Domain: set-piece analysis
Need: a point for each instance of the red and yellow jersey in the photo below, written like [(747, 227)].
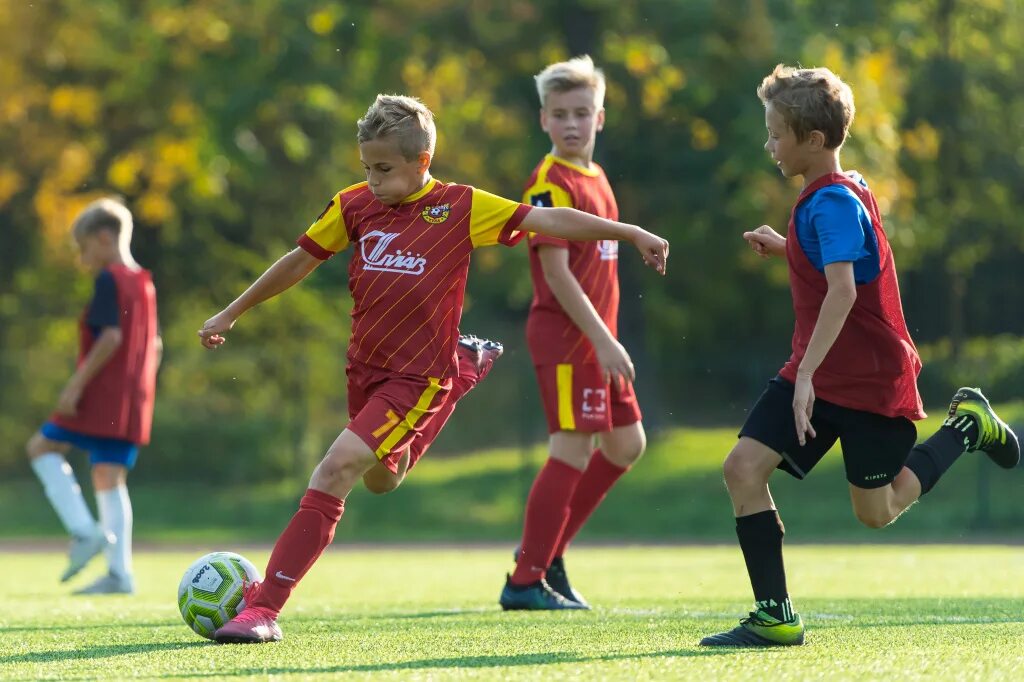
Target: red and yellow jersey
[(409, 265), (553, 338)]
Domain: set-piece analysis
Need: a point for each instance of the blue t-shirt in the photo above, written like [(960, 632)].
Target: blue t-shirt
[(833, 226), (103, 310)]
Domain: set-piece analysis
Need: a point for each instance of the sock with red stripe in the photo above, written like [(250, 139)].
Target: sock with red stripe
[(299, 546), (547, 511), (597, 480)]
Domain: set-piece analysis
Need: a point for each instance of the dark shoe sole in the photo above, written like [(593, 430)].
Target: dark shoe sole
[(745, 639)]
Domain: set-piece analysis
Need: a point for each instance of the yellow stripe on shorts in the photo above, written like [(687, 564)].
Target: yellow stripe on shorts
[(566, 416), (410, 419)]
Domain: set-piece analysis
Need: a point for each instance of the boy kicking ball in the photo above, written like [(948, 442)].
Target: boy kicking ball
[(412, 238)]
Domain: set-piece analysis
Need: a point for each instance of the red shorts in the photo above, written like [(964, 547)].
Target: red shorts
[(387, 410), (577, 398)]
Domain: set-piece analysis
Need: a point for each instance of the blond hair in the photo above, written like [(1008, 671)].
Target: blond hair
[(810, 99), (578, 72), (104, 214), (407, 118)]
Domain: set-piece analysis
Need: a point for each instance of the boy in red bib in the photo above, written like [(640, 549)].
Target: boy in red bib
[(852, 376), (106, 408), (412, 237)]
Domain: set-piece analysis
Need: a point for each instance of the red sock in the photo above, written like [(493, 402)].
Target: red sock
[(299, 546), (597, 480), (547, 510)]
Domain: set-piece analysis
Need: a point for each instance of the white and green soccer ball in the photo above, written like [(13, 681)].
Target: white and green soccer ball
[(212, 590)]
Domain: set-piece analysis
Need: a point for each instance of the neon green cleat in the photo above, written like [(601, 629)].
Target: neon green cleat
[(760, 629), (995, 438)]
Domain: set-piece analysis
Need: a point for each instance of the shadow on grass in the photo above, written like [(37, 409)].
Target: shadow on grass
[(485, 661), (76, 628), (441, 613), (103, 651)]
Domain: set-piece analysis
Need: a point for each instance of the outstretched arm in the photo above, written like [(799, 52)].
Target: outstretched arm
[(288, 271), (568, 223)]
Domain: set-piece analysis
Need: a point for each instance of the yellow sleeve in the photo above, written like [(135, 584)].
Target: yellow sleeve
[(328, 234), (547, 194), (493, 219)]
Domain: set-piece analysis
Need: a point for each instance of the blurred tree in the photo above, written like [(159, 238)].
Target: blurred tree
[(226, 126)]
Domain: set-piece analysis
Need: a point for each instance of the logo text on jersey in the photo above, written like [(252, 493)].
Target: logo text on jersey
[(436, 214), (609, 249), (374, 247)]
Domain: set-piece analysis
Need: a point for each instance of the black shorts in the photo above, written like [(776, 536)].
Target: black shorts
[(874, 446)]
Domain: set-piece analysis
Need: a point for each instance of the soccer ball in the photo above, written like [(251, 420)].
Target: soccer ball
[(212, 590)]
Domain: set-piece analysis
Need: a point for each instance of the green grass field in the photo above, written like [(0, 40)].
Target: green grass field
[(895, 612)]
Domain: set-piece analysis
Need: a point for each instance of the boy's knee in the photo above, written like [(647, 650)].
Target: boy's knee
[(344, 464), (737, 470), (572, 448), (108, 476), (37, 446), (627, 454), (873, 517), (381, 483)]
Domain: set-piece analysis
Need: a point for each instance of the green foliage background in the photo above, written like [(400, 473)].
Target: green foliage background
[(227, 125)]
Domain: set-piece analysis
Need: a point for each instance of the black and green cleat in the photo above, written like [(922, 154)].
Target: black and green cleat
[(760, 629), (536, 596), (995, 438)]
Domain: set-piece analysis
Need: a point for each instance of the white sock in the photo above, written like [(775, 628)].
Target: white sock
[(65, 495), (116, 518)]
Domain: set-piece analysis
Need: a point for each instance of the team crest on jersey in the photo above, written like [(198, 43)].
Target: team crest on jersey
[(542, 199), (436, 214), (377, 255)]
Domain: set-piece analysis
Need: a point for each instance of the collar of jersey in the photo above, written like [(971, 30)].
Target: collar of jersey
[(420, 193), (592, 172)]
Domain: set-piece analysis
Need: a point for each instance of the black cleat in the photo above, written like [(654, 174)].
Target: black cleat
[(557, 579), (760, 629), (559, 582), (536, 596), (995, 438)]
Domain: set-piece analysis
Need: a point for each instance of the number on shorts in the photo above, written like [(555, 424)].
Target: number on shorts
[(388, 425)]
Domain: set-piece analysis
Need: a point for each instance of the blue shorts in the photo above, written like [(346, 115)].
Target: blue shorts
[(101, 450)]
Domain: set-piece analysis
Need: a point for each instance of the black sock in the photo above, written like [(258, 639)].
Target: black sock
[(930, 459), (760, 537)]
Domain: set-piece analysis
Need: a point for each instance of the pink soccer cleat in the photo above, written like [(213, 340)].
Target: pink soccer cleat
[(254, 625)]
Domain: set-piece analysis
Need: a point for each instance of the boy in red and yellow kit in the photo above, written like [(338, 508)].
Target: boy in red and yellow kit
[(412, 237), (106, 408), (584, 373), (852, 376)]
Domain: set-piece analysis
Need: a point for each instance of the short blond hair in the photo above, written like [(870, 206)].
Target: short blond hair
[(810, 99), (405, 117), (578, 72), (104, 214)]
